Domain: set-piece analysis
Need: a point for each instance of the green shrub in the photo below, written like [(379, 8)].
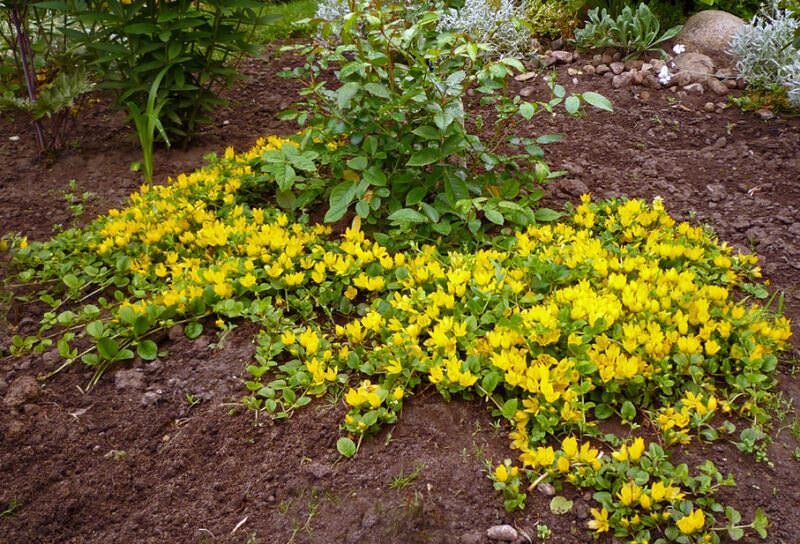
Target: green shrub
[(193, 43), (392, 141), (634, 32), (553, 18)]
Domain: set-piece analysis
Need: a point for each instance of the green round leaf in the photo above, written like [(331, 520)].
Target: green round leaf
[(147, 350), (346, 447), (193, 330)]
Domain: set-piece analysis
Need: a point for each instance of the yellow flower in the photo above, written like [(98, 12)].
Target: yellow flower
[(398, 393), (570, 446), (501, 473), (600, 522), (692, 523), (629, 493), (310, 341), (636, 449)]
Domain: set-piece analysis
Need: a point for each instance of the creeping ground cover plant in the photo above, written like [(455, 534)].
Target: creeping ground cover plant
[(616, 310)]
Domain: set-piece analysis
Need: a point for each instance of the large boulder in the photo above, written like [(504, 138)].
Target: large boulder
[(710, 32)]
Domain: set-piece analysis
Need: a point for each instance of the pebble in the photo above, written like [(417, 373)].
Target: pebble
[(563, 57), (765, 114), (602, 69), (710, 107), (526, 91), (175, 333), (622, 80), (21, 391), (644, 96), (695, 89), (617, 67), (574, 71), (503, 533), (589, 69), (546, 489), (651, 82), (730, 83), (717, 87), (14, 138)]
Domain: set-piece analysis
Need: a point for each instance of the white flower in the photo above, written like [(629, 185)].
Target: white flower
[(664, 76), (678, 48)]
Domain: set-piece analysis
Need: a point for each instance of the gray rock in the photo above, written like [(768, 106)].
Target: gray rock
[(710, 32), (546, 489), (51, 358), (765, 114), (573, 187), (151, 397), (617, 67), (697, 65), (128, 379), (638, 77), (634, 64), (525, 92), (717, 87), (644, 96), (651, 82), (710, 107), (597, 59), (607, 58), (21, 391), (622, 80), (695, 89), (589, 69), (503, 533), (562, 57), (602, 69)]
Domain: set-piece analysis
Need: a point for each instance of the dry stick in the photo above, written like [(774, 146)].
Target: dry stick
[(30, 82)]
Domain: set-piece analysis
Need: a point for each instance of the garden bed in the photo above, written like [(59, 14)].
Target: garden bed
[(163, 451)]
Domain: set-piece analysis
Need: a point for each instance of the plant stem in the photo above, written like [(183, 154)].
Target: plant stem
[(23, 42)]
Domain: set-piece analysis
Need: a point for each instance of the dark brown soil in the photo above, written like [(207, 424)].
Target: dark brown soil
[(134, 461)]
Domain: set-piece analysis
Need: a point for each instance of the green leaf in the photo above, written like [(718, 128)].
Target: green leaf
[(416, 195), (545, 215), (760, 523), (377, 89), (140, 325), (494, 216), (147, 350), (358, 163), (71, 281), (107, 348), (736, 533), (95, 329), (560, 505), (572, 104), (427, 132), (345, 94), (346, 447), (424, 157), (193, 330), (509, 409), (407, 215), (341, 197), (628, 411), (603, 411), (597, 100), (545, 139), (526, 110)]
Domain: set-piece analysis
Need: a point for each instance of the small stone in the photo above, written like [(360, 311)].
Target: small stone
[(646, 67), (175, 333), (581, 510), (602, 69), (574, 71), (573, 187), (50, 358), (150, 398), (526, 91), (765, 114), (717, 87), (634, 64), (622, 80), (651, 82), (617, 67), (710, 107), (638, 77), (562, 57), (318, 470), (695, 89), (13, 138), (597, 59), (588, 69), (128, 379), (503, 533), (644, 96), (729, 83), (22, 390), (617, 55), (558, 43), (546, 489), (657, 64), (547, 60), (525, 76), (607, 58), (682, 79)]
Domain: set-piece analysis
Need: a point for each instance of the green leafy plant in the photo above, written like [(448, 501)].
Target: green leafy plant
[(393, 142), (553, 18), (193, 44), (147, 122), (632, 31)]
